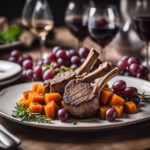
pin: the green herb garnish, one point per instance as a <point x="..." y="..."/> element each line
<point x="74" y="123"/>
<point x="144" y="96"/>
<point x="10" y="35"/>
<point x="25" y="115"/>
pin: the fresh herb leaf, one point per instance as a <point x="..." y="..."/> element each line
<point x="74" y="123"/>
<point x="25" y="115"/>
<point x="144" y="96"/>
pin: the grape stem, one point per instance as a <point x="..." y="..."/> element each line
<point x="144" y="96"/>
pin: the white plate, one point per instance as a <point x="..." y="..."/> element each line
<point x="11" y="45"/>
<point x="11" y="95"/>
<point x="8" y="69"/>
<point x="11" y="79"/>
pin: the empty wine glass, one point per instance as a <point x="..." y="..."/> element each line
<point x="141" y="23"/>
<point x="103" y="25"/>
<point x="76" y="18"/>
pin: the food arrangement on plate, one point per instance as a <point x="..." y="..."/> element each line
<point x="79" y="94"/>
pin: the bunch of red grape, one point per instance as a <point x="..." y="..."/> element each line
<point x="130" y="66"/>
<point x="127" y="93"/>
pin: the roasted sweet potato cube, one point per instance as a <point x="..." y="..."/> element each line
<point x="24" y="101"/>
<point x="35" y="86"/>
<point x="119" y="110"/>
<point x="40" y="89"/>
<point x="35" y="107"/>
<point x="62" y="104"/>
<point x="34" y="97"/>
<point x="51" y="110"/>
<point x="116" y="100"/>
<point x="56" y="97"/>
<point x="105" y="96"/>
<point x="25" y="94"/>
<point x="43" y="110"/>
<point x="101" y="113"/>
<point x="129" y="107"/>
<point x="106" y="85"/>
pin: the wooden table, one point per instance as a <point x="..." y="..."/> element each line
<point x="133" y="137"/>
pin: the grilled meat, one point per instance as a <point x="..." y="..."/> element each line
<point x="81" y="99"/>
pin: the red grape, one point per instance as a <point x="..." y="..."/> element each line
<point x="40" y="63"/>
<point x="55" y="49"/>
<point x="56" y="65"/>
<point x="43" y="68"/>
<point x="23" y="74"/>
<point x="67" y="53"/>
<point x="117" y="93"/>
<point x="83" y="52"/>
<point x="135" y="99"/>
<point x="27" y="64"/>
<point x="134" y="69"/>
<point x="130" y="92"/>
<point x="122" y="64"/>
<point x="133" y="60"/>
<point x="82" y="61"/>
<point x="37" y="70"/>
<point x="61" y="54"/>
<point x="12" y="59"/>
<point x="48" y="74"/>
<point x="111" y="114"/>
<point x="28" y="57"/>
<point x="67" y="63"/>
<point x="122" y="72"/>
<point x="119" y="86"/>
<point x="128" y="73"/>
<point x="74" y="66"/>
<point x="75" y="60"/>
<point x="51" y="57"/>
<point x="62" y="114"/>
<point x="72" y="53"/>
<point x="15" y="54"/>
<point x="29" y="73"/>
<point x="144" y="70"/>
<point x="125" y="58"/>
<point x="61" y="61"/>
<point x="36" y="77"/>
<point x="142" y="76"/>
<point x="20" y="60"/>
<point x="98" y="62"/>
<point x="46" y="62"/>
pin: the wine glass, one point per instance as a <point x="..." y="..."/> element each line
<point x="141" y="23"/>
<point x="38" y="17"/>
<point x="103" y="25"/>
<point x="76" y="18"/>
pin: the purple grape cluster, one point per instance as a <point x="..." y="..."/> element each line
<point x="131" y="66"/>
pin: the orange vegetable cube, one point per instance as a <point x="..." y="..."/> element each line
<point x="25" y="94"/>
<point x="35" y="86"/>
<point x="34" y="97"/>
<point x="35" y="107"/>
<point x="56" y="97"/>
<point x="105" y="96"/>
<point x="116" y="100"/>
<point x="62" y="104"/>
<point x="101" y="113"/>
<point x="129" y="107"/>
<point x="43" y="110"/>
<point x="40" y="89"/>
<point x="24" y="101"/>
<point x="119" y="110"/>
<point x="51" y="110"/>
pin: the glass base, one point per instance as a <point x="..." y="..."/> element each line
<point x="44" y="55"/>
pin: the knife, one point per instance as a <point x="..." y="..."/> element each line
<point x="7" y="138"/>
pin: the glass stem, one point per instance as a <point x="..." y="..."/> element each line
<point x="103" y="54"/>
<point x="79" y="44"/>
<point x="147" y="55"/>
<point x="42" y="43"/>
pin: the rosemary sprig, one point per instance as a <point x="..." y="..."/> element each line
<point x="74" y="123"/>
<point x="144" y="96"/>
<point x="21" y="112"/>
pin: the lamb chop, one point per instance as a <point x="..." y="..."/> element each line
<point x="81" y="99"/>
<point x="58" y="83"/>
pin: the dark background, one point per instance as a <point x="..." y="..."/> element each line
<point x="13" y="8"/>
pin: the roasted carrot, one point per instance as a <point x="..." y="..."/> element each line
<point x="129" y="107"/>
<point x="35" y="107"/>
<point x="119" y="110"/>
<point x="34" y="97"/>
<point x="24" y="101"/>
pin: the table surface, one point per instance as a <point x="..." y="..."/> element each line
<point x="133" y="137"/>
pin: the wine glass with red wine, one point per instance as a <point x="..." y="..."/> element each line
<point x="103" y="25"/>
<point x="141" y="23"/>
<point x="76" y="18"/>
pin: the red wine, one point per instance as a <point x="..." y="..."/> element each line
<point x="77" y="26"/>
<point x="103" y="34"/>
<point x="142" y="27"/>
